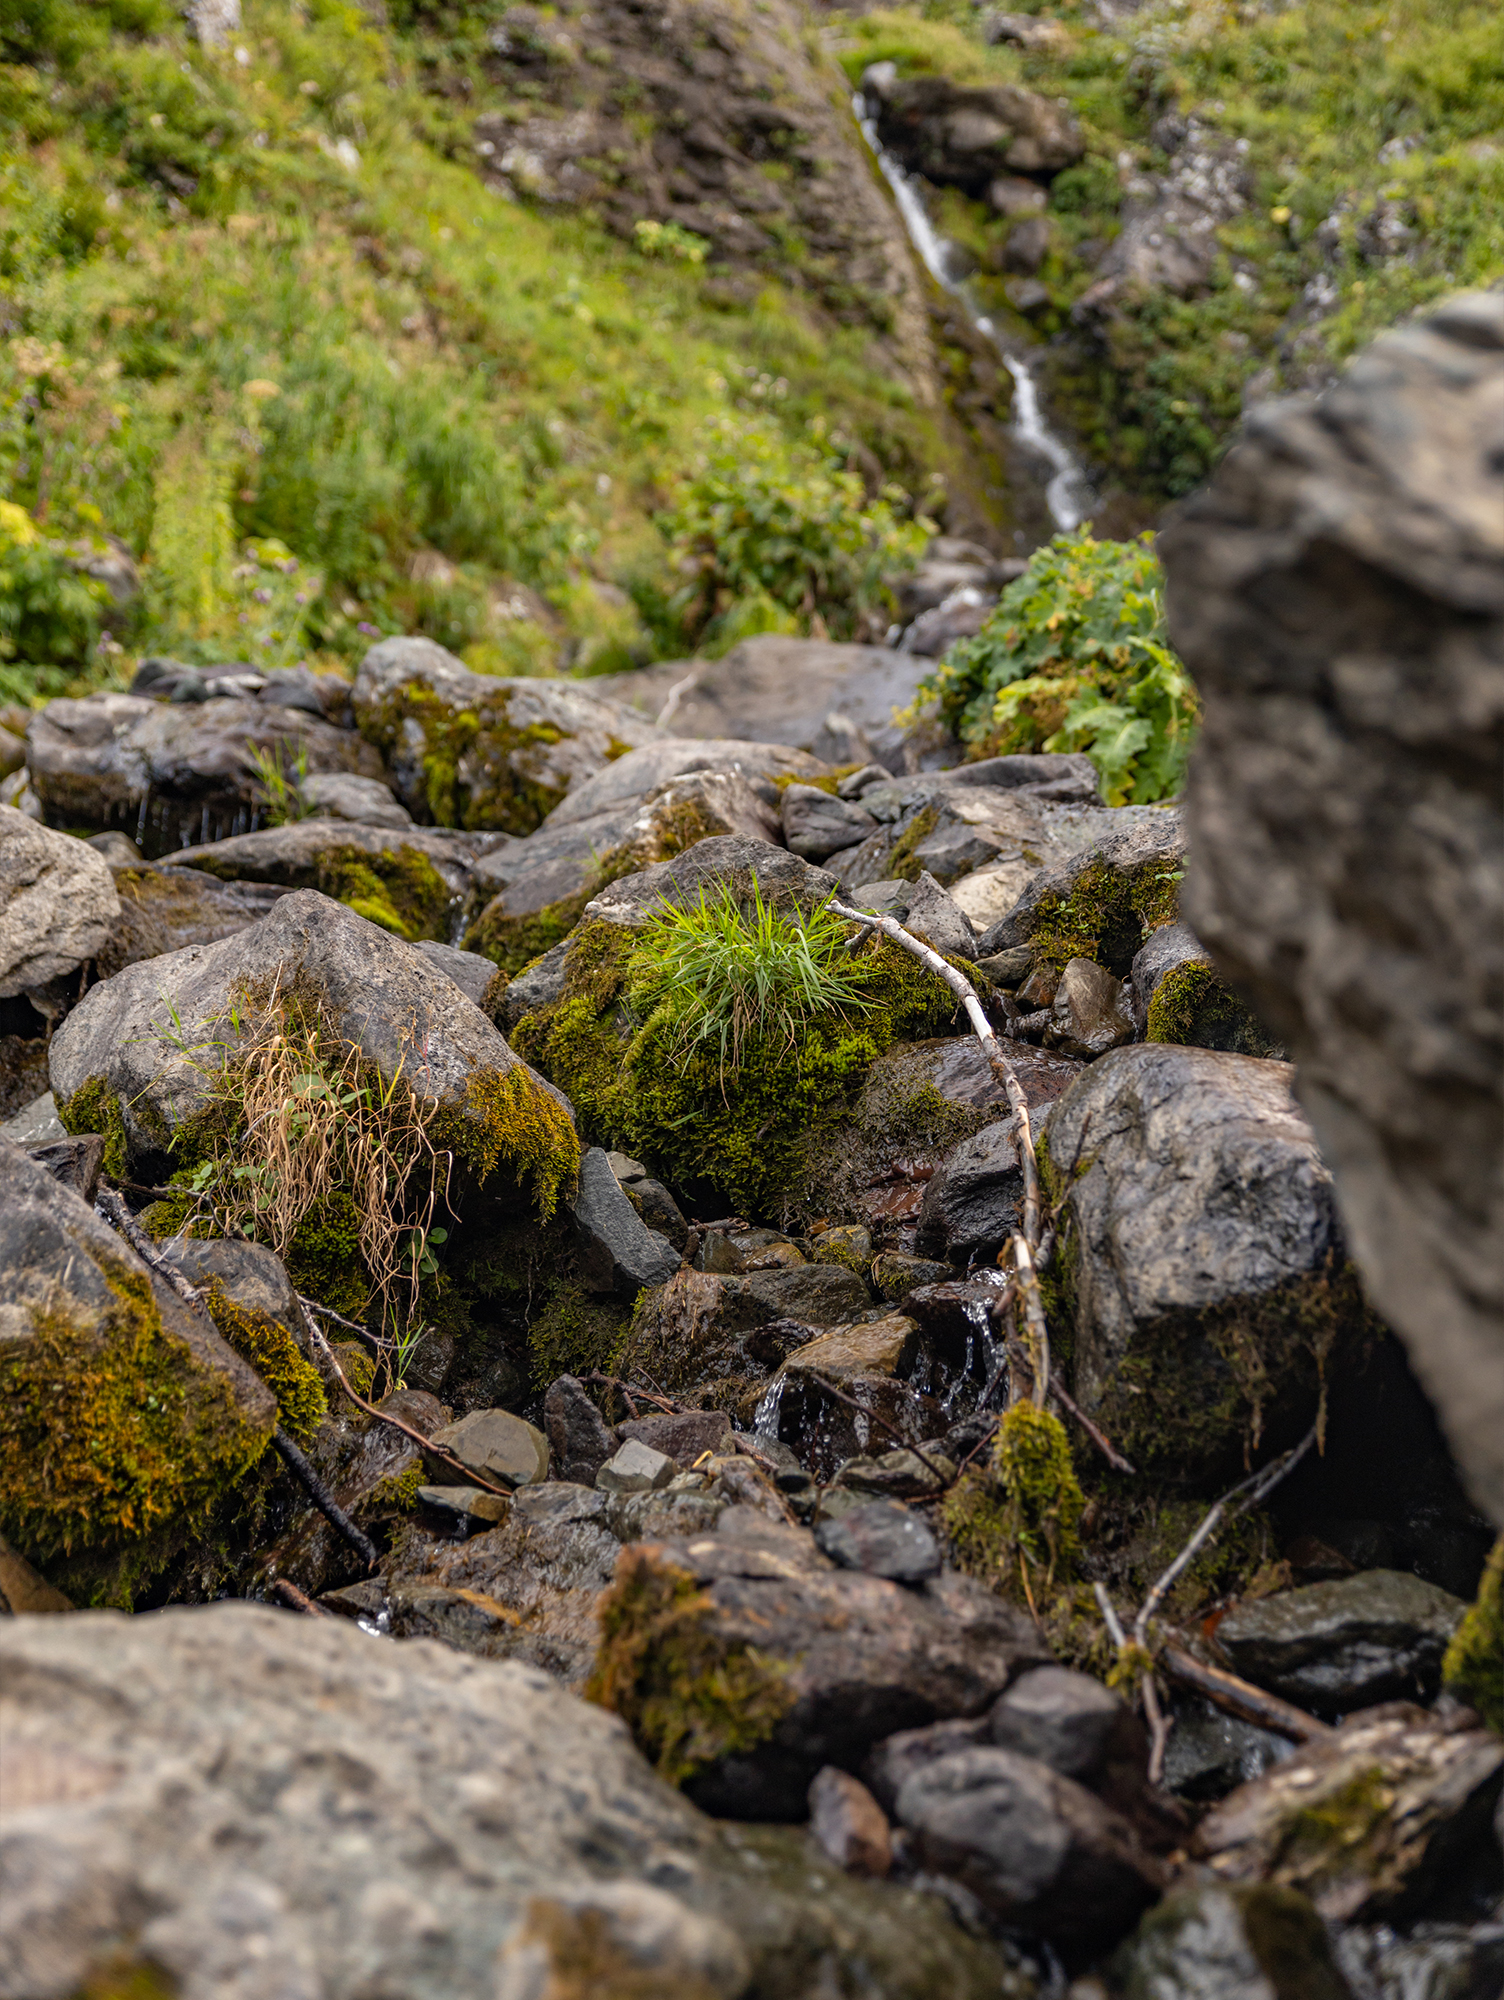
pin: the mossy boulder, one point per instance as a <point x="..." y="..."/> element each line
<point x="123" y="1412"/>
<point x="480" y="751"/>
<point x="1104" y="902"/>
<point x="144" y="1055"/>
<point x="1178" y="997"/>
<point x="1212" y="1939"/>
<point x="1201" y="1293"/>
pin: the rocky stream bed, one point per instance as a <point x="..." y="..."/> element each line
<point x="992" y="1497"/>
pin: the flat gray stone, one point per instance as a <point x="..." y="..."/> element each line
<point x="883" y="1539"/>
<point x="636" y="1468"/>
<point x="496" y="1444"/>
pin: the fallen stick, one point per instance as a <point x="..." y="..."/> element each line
<point x="1241" y="1698"/>
<point x="300" y="1468"/>
<point x="297" y="1600"/>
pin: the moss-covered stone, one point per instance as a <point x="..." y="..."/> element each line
<point x="114" y="1429"/>
<point x="271" y="1350"/>
<point x="1191" y="1006"/>
<point x="1021" y="1513"/>
<point x="510" y="1122"/>
<point x="575" y="1332"/>
<point x="1474" y="1663"/>
<point x="470" y="773"/>
<point x="1105" y="915"/>
<point x="690" y="1697"/>
<point x="903" y="865"/>
<point x="399" y="889"/>
<point x="94" y="1107"/>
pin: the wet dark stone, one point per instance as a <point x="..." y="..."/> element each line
<point x="683" y="1437"/>
<point x="883" y="1539"/>
<point x="578" y="1437"/>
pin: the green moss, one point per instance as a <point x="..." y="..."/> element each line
<point x="1105" y="915"/>
<point x="1024" y="1508"/>
<point x="358" y="1366"/>
<point x="124" y="1977"/>
<point x="323" y="1259"/>
<point x="1287" y="1938"/>
<point x="1327" y="1835"/>
<point x="509" y="1120"/>
<point x="94" y="1107"/>
<point x="399" y="889"/>
<point x="113" y="1429"/>
<point x="690" y="1696"/>
<point x="1191" y="1006"/>
<point x="514" y="942"/>
<point x="469" y="775"/>
<point x="396" y="1494"/>
<point x="902" y="865"/>
<point x="1474" y="1663"/>
<point x="575" y="1332"/>
<point x="271" y="1350"/>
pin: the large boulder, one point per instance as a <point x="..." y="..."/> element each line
<point x="1103" y="900"/>
<point x="58" y="904"/>
<point x="1201" y="1261"/>
<point x="233" y="1800"/>
<point x="174" y="773"/>
<point x="475" y="750"/>
<point x="1338" y="591"/>
<point x="967" y="137"/>
<point x="123" y="1412"/>
<point x="143" y="1054"/>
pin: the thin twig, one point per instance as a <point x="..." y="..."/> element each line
<point x="1160" y="1725"/>
<point x="1098" y="1436"/>
<point x="630" y="1389"/>
<point x="1039" y="1334"/>
<point x="302" y="1470"/>
<point x="1110" y="1617"/>
<point x="296" y="1599"/>
<point x="1241" y="1698"/>
<point x="112" y="1207"/>
<point x="897" y="1435"/>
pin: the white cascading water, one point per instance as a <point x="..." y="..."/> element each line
<point x="1068" y="495"/>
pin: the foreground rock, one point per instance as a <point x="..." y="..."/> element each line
<point x="477" y="751"/>
<point x="162" y="1824"/>
<point x="1345" y="809"/>
<point x="58" y="904"/>
<point x="140" y="1057"/>
<point x="1204" y="1264"/>
<point x="1237" y="1944"/>
<point x="1334" y="1647"/>
<point x="121" y="1410"/>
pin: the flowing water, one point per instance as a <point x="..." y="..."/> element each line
<point x="1068" y="494"/>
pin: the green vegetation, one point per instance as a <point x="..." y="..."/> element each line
<point x="271" y="1350"/>
<point x="266" y="326"/>
<point x="1474" y="1663"/>
<point x="1366" y="140"/>
<point x="1021" y="1513"/>
<point x="1075" y="658"/>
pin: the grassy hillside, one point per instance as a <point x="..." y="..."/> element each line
<point x="260" y="296"/>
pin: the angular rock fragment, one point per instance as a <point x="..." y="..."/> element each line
<point x="58" y="905"/>
<point x="971" y="1205"/>
<point x="1099" y="903"/>
<point x="935" y="916"/>
<point x="635" y="1468"/>
<point x="817" y="824"/>
<point x="683" y="1437"/>
<point x="849" y="1823"/>
<point x="1255" y="1943"/>
<point x="1089" y="1012"/>
<point x="881" y="1539"/>
<point x="500" y="1446"/>
<point x="1068" y="1721"/>
<point x="1177" y="997"/>
<point x="618" y="1252"/>
<point x="579" y="1439"/>
<point x="366" y="801"/>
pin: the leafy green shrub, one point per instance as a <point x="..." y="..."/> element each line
<point x="1075" y="658"/>
<point x="48" y="612"/>
<point x="670" y="239"/>
<point x="785" y="533"/>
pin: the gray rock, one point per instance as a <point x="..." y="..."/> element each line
<point x="961" y="616"/>
<point x="849" y="1823"/>
<point x="1346" y="813"/>
<point x="684" y="1436"/>
<point x="1210" y="1753"/>
<point x="499" y="1446"/>
<point x="179" y="773"/>
<point x="618" y="1252"/>
<point x="378" y="992"/>
<point x="1176" y="996"/>
<point x="578" y="1436"/>
<point x="882" y="1539"/>
<point x="840" y="741"/>
<point x="252" y="1276"/>
<point x="730" y="860"/>
<point x="118" y="852"/>
<point x="1039" y="1852"/>
<point x="635" y="1468"/>
<point x="1151" y="845"/>
<point x="367" y="801"/>
<point x="774" y="689"/>
<point x="57" y="904"/>
<point x="1332" y="1647"/>
<point x="538" y="985"/>
<point x="659" y="1211"/>
<point x="187" y="1418"/>
<point x="464" y="1503"/>
<point x="526" y="745"/>
<point x="314" y="853"/>
<point x="817" y="824"/>
<point x="967" y="137"/>
<point x="1201" y="1248"/>
<point x="971" y="1202"/>
<point x="1090" y="1011"/>
<point x="476" y="977"/>
<point x="624" y="784"/>
<point x="37" y="1125"/>
<point x="1068" y="1721"/>
<point x="1009" y="968"/>
<point x="1259" y="1943"/>
<point x="73" y="1163"/>
<point x="1437" y="1961"/>
<point x="935" y="916"/>
<point x="555" y="1830"/>
<point x="1368" y="1819"/>
<point x="891" y="1763"/>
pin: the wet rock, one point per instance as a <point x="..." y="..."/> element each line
<point x="177" y="773"/>
<point x="1100" y="896"/>
<point x="556" y="1830"/>
<point x="73" y="1163"/>
<point x="478" y="750"/>
<point x="1347" y="817"/>
<point x="464" y="1503"/>
<point x="122" y="1409"/>
<point x="885" y="1346"/>
<point x="1068" y="1721"/>
<point x="1039" y="1852"/>
<point x="376" y="990"/>
<point x="935" y="916"/>
<point x="635" y="1468"/>
<point x="849" y="1823"/>
<point x="1365" y="1821"/>
<point x="843" y="1659"/>
<point x="1177" y="997"/>
<point x="684" y="1436"/>
<point x="816" y="824"/>
<point x="366" y="801"/>
<point x="1240" y="1944"/>
<point x="252" y="1276"/>
<point x="777" y="689"/>
<point x="881" y="1539"/>
<point x="408" y="883"/>
<point x="476" y="977"/>
<point x="901" y="1474"/>
<point x="1089" y="1012"/>
<point x="1210" y="1753"/>
<point x="1200" y="1243"/>
<point x="1332" y="1647"/>
<point x="898" y="1277"/>
<point x="971" y="1206"/>
<point x="617" y="1251"/>
<point x="496" y="1444"/>
<point x="1437" y="1961"/>
<point x="57" y="905"/>
<point x="967" y="137"/>
<point x="579" y="1438"/>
